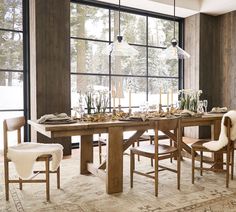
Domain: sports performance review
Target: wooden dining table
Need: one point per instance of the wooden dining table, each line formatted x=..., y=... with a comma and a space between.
x=111, y=170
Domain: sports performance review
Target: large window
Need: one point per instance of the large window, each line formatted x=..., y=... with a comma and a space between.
x=93, y=28
x=11, y=60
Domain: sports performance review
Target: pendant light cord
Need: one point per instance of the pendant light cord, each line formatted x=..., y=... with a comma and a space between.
x=119, y=17
x=174, y=19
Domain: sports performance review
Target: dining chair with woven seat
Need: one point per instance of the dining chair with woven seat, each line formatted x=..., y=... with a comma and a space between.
x=102, y=141
x=228, y=150
x=16, y=124
x=159, y=152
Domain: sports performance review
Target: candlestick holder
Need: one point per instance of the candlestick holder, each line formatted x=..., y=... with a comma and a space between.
x=119, y=108
x=160, y=108
x=172, y=107
x=130, y=111
x=167, y=109
x=114, y=111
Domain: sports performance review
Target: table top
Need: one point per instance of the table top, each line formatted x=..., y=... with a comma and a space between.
x=80, y=128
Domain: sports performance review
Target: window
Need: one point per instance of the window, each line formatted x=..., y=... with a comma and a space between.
x=93, y=27
x=11, y=60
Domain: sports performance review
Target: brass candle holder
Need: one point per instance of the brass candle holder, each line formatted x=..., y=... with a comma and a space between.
x=160, y=108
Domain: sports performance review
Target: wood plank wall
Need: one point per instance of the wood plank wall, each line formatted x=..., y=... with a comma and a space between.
x=50, y=61
x=227, y=62
x=210, y=40
x=192, y=65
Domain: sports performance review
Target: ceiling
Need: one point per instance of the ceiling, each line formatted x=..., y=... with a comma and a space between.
x=184, y=8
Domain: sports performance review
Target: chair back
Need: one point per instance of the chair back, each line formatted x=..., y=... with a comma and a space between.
x=12, y=124
x=167, y=125
x=228, y=124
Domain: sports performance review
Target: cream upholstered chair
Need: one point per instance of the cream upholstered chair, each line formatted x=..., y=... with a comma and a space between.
x=227, y=150
x=159, y=151
x=15, y=124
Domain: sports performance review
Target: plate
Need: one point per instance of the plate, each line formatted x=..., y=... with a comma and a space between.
x=67, y=121
x=59, y=119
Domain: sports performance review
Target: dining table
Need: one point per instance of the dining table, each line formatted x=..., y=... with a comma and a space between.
x=111, y=170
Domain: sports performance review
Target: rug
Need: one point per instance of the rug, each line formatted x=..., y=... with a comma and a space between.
x=85, y=193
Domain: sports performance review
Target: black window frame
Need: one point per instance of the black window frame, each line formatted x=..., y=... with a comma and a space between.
x=147, y=14
x=25, y=69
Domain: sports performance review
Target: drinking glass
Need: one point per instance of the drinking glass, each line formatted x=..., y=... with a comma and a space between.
x=205, y=103
x=200, y=108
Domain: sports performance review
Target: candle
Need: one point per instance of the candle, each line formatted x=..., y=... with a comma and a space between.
x=129, y=99
x=113, y=95
x=160, y=97
x=113, y=92
x=171, y=97
x=119, y=92
x=114, y=103
x=167, y=99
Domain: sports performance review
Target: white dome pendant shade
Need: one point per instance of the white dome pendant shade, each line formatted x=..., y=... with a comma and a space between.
x=120, y=47
x=174, y=51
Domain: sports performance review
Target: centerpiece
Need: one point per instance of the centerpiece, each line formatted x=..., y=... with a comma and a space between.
x=189, y=99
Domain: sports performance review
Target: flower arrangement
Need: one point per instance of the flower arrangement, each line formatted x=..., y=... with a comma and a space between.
x=89, y=100
x=97, y=100
x=101, y=101
x=189, y=99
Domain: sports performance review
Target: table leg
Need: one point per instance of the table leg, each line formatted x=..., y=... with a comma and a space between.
x=215, y=132
x=86, y=152
x=114, y=169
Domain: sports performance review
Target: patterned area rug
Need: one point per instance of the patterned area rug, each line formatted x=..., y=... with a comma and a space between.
x=87, y=193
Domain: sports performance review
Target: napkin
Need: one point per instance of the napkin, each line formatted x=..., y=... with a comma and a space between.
x=49, y=117
x=187, y=112
x=219, y=109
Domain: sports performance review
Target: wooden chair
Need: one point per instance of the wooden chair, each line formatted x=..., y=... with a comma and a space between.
x=159, y=151
x=102, y=141
x=228, y=150
x=15, y=124
x=151, y=139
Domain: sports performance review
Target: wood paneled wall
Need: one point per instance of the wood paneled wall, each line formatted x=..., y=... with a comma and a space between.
x=227, y=61
x=210, y=40
x=50, y=61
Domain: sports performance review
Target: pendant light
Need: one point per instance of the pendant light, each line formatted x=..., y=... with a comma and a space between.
x=174, y=51
x=120, y=47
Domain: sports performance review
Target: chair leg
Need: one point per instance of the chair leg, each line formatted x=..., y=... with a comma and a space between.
x=138, y=145
x=193, y=165
x=232, y=165
x=201, y=163
x=47, y=179
x=58, y=178
x=227, y=169
x=6, y=171
x=132, y=166
x=100, y=151
x=171, y=159
x=151, y=158
x=178, y=170
x=156, y=175
x=20, y=183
